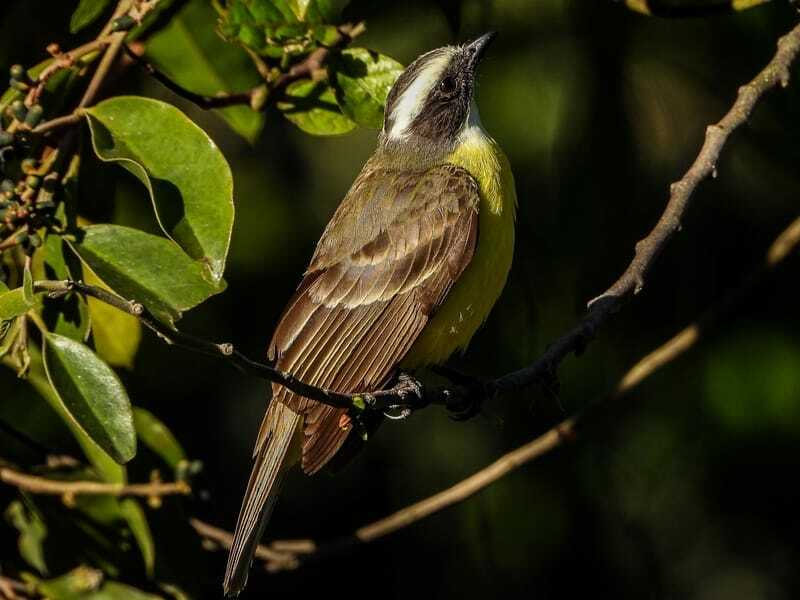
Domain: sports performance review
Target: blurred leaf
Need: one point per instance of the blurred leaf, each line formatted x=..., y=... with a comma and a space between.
x=116, y=334
x=92, y=394
x=84, y=583
x=312, y=107
x=191, y=53
x=133, y=514
x=156, y=436
x=188, y=178
x=71, y=311
x=146, y=268
x=86, y=13
x=107, y=469
x=362, y=81
x=752, y=383
x=32, y=532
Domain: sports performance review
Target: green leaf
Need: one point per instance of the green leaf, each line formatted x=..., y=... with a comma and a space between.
x=32, y=532
x=312, y=107
x=116, y=334
x=85, y=583
x=188, y=178
x=191, y=53
x=156, y=436
x=146, y=268
x=86, y=13
x=17, y=301
x=137, y=521
x=14, y=304
x=107, y=469
x=278, y=28
x=92, y=394
x=362, y=81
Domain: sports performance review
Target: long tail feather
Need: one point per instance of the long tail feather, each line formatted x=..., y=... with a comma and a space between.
x=262, y=492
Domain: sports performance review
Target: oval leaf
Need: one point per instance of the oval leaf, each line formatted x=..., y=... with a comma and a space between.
x=363, y=80
x=188, y=178
x=105, y=467
x=191, y=53
x=146, y=268
x=312, y=107
x=92, y=394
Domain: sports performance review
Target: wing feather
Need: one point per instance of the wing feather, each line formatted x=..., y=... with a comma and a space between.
x=385, y=262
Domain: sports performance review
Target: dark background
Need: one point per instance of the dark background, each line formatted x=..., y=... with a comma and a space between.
x=688, y=489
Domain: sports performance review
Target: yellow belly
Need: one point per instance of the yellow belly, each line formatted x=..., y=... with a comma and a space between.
x=476, y=291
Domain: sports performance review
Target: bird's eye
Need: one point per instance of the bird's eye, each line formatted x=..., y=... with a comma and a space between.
x=447, y=86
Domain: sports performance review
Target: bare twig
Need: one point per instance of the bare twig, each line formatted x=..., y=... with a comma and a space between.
x=41, y=485
x=566, y=430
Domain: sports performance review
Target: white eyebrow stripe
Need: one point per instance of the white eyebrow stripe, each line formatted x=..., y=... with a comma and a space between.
x=410, y=103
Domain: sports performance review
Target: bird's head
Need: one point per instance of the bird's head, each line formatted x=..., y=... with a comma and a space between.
x=430, y=105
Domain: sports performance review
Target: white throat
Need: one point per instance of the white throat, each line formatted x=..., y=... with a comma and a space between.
x=473, y=130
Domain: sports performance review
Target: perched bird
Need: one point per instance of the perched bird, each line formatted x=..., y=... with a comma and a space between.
x=406, y=271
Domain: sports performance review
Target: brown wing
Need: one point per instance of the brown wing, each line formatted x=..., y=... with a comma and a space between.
x=384, y=264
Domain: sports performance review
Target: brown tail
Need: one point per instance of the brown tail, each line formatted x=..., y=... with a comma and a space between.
x=262, y=491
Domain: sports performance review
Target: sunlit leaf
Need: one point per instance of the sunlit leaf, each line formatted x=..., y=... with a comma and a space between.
x=191, y=53
x=188, y=178
x=312, y=107
x=116, y=334
x=276, y=28
x=134, y=515
x=17, y=301
x=86, y=13
x=32, y=532
x=146, y=268
x=156, y=436
x=92, y=394
x=363, y=80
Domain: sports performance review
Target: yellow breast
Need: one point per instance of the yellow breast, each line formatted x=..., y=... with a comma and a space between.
x=476, y=291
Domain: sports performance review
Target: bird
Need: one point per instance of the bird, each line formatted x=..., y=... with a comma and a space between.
x=407, y=269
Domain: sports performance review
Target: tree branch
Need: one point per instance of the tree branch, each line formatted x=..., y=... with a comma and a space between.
x=42, y=485
x=281, y=556
x=262, y=95
x=409, y=395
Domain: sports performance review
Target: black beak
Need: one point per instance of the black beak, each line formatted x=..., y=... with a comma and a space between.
x=478, y=47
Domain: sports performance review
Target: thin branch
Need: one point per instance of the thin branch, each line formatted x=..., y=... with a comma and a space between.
x=647, y=250
x=262, y=95
x=59, y=122
x=41, y=485
x=378, y=400
x=565, y=431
